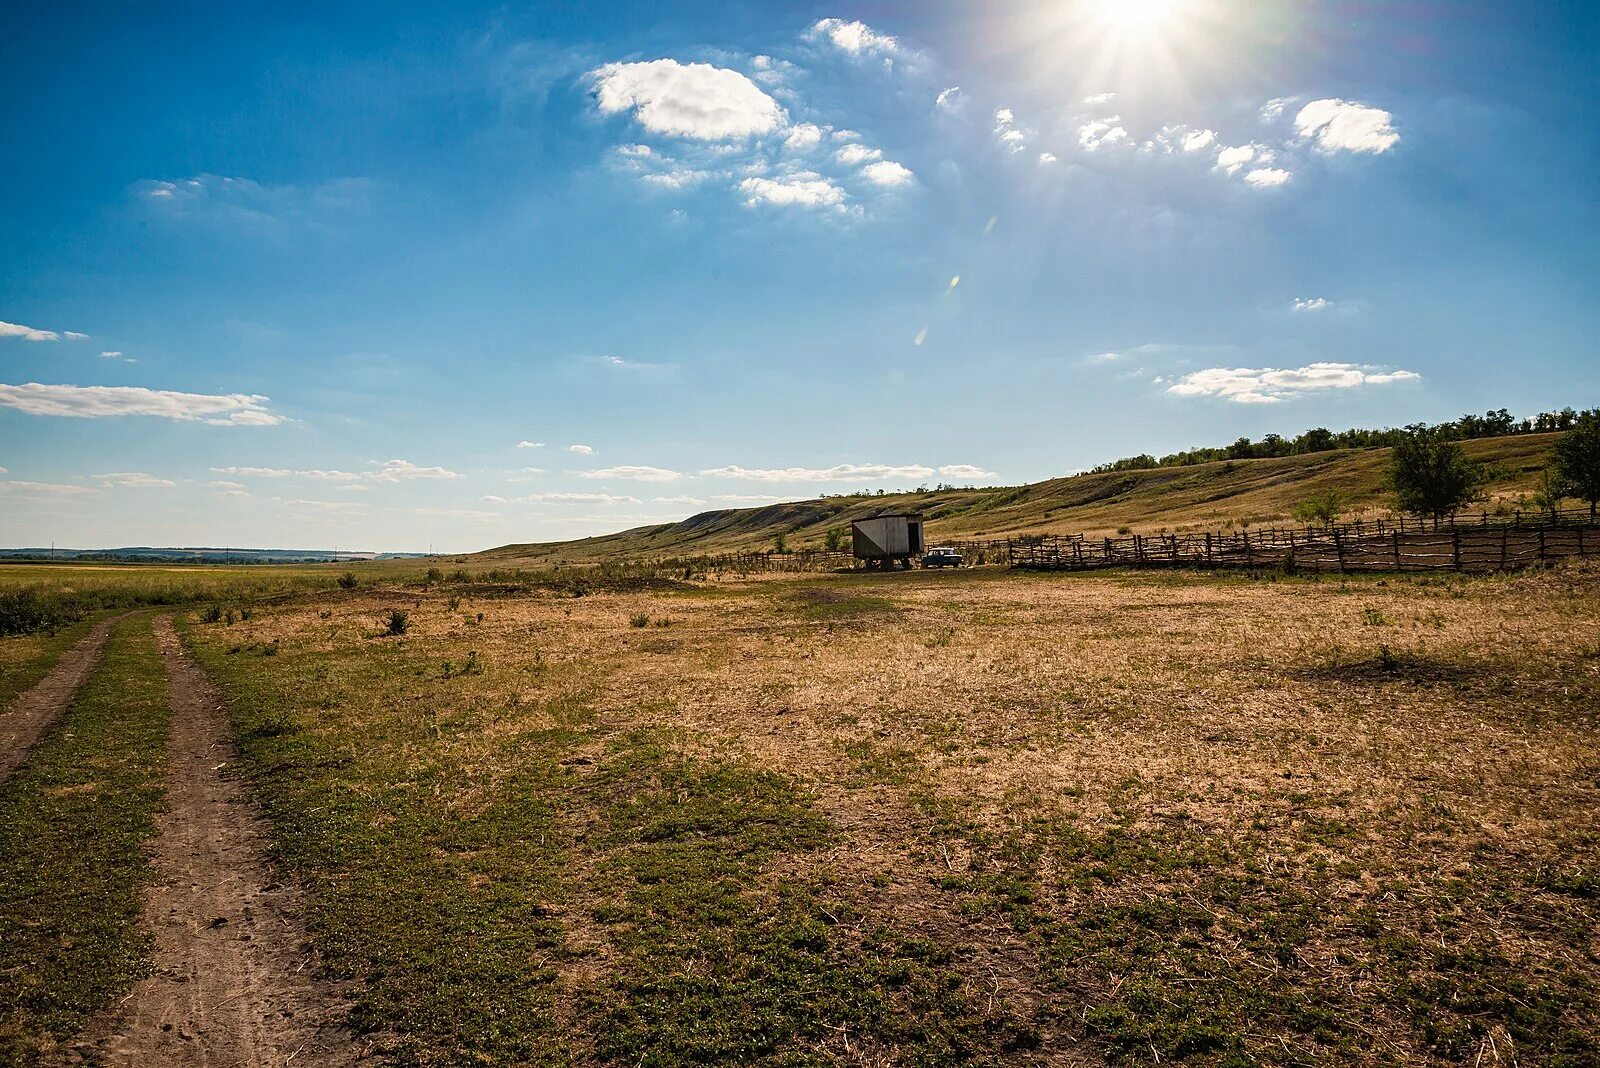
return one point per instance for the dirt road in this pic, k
(30, 715)
(233, 972)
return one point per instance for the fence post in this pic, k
(1541, 546)
(1208, 548)
(1505, 535)
(1338, 548)
(1247, 548)
(1397, 565)
(1455, 547)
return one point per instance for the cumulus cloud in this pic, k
(838, 473)
(964, 471)
(886, 173)
(1243, 385)
(948, 98)
(634, 473)
(852, 38)
(1195, 140)
(1268, 177)
(132, 480)
(95, 402)
(1099, 98)
(805, 189)
(1235, 158)
(1095, 135)
(406, 471)
(1011, 136)
(1312, 304)
(1339, 124)
(1273, 109)
(851, 155)
(581, 450)
(1047, 157)
(802, 137)
(29, 333)
(530, 444)
(694, 100)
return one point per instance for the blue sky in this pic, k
(395, 275)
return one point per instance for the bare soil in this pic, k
(30, 715)
(234, 975)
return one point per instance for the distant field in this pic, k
(939, 818)
(1204, 496)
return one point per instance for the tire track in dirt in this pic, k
(30, 715)
(233, 969)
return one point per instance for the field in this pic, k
(898, 819)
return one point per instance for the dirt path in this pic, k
(30, 715)
(233, 971)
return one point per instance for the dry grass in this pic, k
(1191, 818)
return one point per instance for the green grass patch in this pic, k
(27, 658)
(74, 821)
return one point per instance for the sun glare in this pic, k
(1136, 16)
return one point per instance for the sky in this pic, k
(402, 276)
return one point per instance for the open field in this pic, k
(1217, 495)
(926, 818)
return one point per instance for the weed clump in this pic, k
(399, 622)
(348, 581)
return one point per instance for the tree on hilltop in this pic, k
(1577, 460)
(1430, 475)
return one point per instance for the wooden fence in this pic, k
(1477, 543)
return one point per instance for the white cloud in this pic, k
(29, 333)
(226, 485)
(694, 100)
(805, 189)
(1312, 304)
(838, 473)
(284, 472)
(1047, 157)
(132, 480)
(1195, 140)
(43, 489)
(245, 205)
(886, 173)
(323, 506)
(579, 498)
(530, 444)
(693, 501)
(612, 360)
(853, 38)
(634, 473)
(73, 335)
(1099, 98)
(1234, 158)
(803, 137)
(1340, 124)
(1243, 385)
(406, 471)
(964, 471)
(94, 402)
(1095, 135)
(1273, 109)
(1006, 129)
(581, 450)
(495, 498)
(1268, 177)
(110, 354)
(850, 155)
(749, 498)
(1104, 357)
(948, 98)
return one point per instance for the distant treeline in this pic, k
(1496, 424)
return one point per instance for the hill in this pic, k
(1164, 499)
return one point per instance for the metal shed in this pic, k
(887, 539)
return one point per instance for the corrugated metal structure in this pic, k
(887, 539)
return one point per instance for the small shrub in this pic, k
(348, 581)
(1373, 618)
(639, 619)
(244, 614)
(454, 603)
(460, 575)
(228, 617)
(324, 614)
(435, 575)
(399, 621)
(212, 614)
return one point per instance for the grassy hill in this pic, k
(1203, 496)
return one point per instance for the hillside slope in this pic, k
(1203, 496)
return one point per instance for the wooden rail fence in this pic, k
(1481, 543)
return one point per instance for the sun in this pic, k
(1136, 17)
